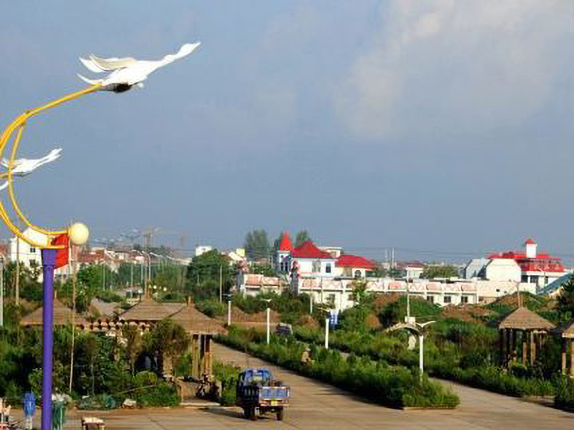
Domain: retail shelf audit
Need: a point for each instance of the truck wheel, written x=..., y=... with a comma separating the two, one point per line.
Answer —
x=280, y=414
x=253, y=414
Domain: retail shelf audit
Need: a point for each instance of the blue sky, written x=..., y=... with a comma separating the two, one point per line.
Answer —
x=441, y=126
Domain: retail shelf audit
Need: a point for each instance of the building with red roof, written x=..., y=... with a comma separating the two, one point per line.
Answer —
x=528, y=266
x=310, y=260
x=353, y=265
x=285, y=243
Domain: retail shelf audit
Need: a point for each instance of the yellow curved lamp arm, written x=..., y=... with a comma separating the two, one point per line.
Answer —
x=18, y=124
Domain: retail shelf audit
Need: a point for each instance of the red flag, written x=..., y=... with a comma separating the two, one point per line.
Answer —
x=62, y=254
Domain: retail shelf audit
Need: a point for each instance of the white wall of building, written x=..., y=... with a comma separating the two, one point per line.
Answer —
x=503, y=269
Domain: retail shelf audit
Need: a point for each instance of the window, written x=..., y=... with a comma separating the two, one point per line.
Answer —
x=32, y=250
x=328, y=268
x=447, y=299
x=464, y=299
x=430, y=299
x=331, y=299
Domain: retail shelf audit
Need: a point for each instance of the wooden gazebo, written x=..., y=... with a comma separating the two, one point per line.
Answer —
x=525, y=327
x=62, y=316
x=148, y=312
x=566, y=334
x=201, y=328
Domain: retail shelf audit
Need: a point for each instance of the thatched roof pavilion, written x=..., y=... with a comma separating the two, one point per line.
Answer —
x=525, y=319
x=565, y=330
x=62, y=316
x=566, y=333
x=195, y=322
x=148, y=310
x=530, y=327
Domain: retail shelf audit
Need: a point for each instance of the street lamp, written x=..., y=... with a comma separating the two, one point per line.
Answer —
x=268, y=321
x=327, y=311
x=124, y=74
x=421, y=345
x=229, y=297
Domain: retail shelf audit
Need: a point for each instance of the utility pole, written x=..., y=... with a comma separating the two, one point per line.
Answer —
x=408, y=304
x=17, y=286
x=74, y=286
x=220, y=284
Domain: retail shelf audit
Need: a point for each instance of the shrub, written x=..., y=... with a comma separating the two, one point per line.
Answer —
x=391, y=386
x=212, y=308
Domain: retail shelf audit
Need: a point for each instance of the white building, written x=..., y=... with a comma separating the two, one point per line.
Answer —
x=202, y=249
x=528, y=266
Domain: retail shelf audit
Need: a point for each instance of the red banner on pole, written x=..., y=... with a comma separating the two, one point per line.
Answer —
x=62, y=254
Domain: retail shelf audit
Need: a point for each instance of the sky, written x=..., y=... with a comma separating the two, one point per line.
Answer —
x=440, y=128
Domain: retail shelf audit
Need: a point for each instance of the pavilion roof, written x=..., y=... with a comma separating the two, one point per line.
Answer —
x=147, y=310
x=524, y=319
x=565, y=330
x=62, y=316
x=195, y=322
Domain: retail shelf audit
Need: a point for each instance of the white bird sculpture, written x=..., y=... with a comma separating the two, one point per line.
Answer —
x=23, y=166
x=127, y=72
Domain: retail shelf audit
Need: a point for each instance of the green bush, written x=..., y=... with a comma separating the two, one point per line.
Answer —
x=212, y=308
x=227, y=375
x=391, y=386
x=564, y=394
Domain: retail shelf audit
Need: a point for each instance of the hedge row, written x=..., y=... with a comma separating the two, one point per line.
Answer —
x=393, y=386
x=445, y=365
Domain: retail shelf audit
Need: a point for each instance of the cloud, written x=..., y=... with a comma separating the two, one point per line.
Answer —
x=449, y=68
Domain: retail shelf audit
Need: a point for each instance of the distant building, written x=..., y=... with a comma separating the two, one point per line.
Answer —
x=528, y=266
x=202, y=249
x=353, y=266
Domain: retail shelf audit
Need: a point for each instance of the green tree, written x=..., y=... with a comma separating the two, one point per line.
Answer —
x=203, y=275
x=263, y=269
x=566, y=298
x=169, y=341
x=301, y=238
x=134, y=345
x=257, y=244
x=431, y=272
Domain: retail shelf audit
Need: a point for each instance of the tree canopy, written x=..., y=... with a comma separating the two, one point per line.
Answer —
x=257, y=244
x=566, y=298
x=431, y=272
x=301, y=238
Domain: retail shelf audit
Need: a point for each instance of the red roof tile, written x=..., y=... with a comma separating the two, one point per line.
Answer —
x=285, y=244
x=309, y=250
x=348, y=260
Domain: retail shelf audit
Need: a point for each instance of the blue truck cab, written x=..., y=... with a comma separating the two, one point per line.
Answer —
x=258, y=392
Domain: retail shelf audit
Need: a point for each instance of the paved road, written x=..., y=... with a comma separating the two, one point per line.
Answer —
x=318, y=406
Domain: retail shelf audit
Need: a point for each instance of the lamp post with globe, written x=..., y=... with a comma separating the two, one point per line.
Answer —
x=123, y=74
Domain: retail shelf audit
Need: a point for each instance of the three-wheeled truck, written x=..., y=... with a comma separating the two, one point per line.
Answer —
x=258, y=392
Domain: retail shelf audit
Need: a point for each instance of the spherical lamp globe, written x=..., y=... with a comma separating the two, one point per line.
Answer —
x=78, y=233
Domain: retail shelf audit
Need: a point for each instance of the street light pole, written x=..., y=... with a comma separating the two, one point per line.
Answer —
x=48, y=264
x=268, y=325
x=228, y=312
x=327, y=333
x=268, y=321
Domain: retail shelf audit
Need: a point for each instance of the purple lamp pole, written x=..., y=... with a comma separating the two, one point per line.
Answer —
x=48, y=263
